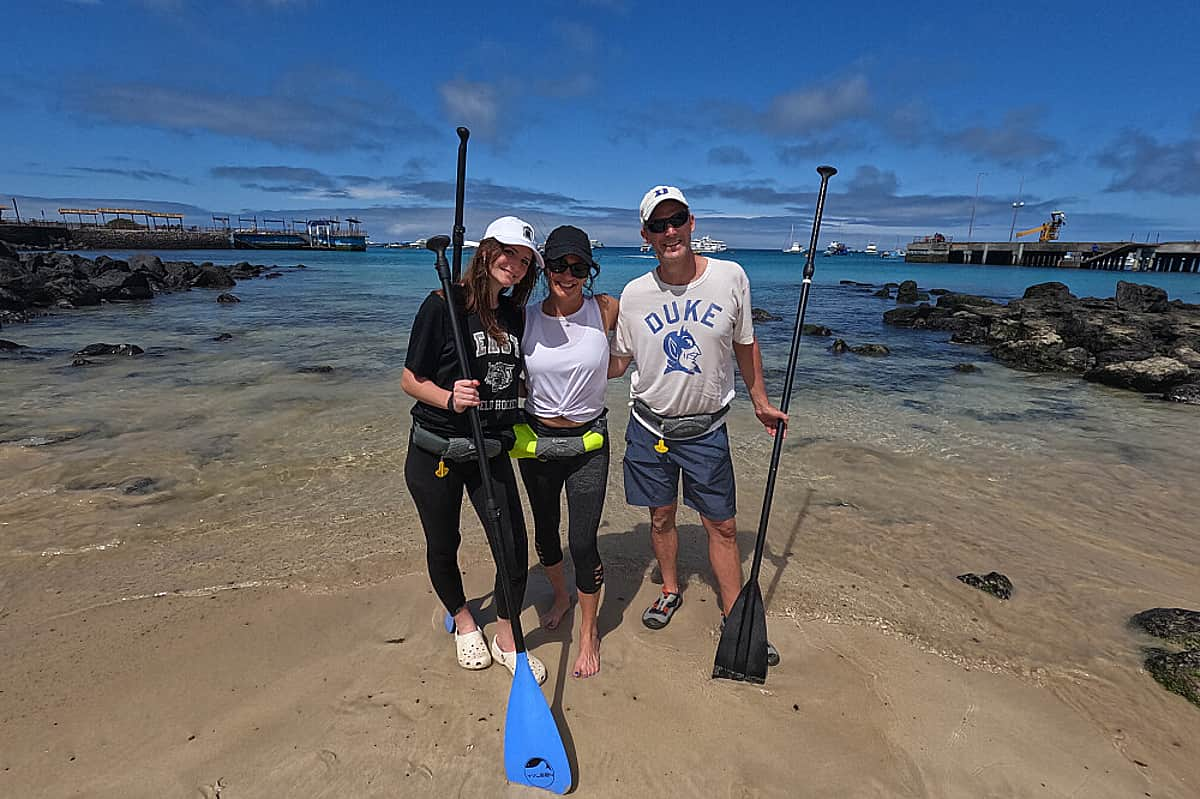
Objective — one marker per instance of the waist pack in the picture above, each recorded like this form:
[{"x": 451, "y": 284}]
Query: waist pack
[
  {"x": 557, "y": 448},
  {"x": 677, "y": 427},
  {"x": 455, "y": 449}
]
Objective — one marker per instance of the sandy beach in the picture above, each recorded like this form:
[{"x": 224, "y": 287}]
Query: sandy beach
[
  {"x": 212, "y": 581},
  {"x": 334, "y": 679}
]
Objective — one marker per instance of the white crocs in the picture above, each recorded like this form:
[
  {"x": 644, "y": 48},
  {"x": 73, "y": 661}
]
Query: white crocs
[
  {"x": 472, "y": 650},
  {"x": 509, "y": 659}
]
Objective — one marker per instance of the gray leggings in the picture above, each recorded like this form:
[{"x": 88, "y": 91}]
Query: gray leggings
[{"x": 586, "y": 479}]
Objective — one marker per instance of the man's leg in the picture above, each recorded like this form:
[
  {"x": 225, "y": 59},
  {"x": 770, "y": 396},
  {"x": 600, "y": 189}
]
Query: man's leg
[
  {"x": 664, "y": 539},
  {"x": 725, "y": 560}
]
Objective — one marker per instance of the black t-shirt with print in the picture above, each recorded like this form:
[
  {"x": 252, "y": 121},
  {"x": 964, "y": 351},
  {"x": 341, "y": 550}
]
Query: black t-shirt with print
[{"x": 496, "y": 366}]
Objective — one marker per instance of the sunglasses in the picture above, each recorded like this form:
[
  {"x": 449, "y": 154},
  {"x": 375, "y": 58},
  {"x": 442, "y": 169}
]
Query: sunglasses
[
  {"x": 675, "y": 220},
  {"x": 580, "y": 270}
]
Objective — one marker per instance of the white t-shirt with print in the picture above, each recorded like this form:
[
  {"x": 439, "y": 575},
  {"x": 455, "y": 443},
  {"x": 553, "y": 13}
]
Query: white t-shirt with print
[{"x": 682, "y": 338}]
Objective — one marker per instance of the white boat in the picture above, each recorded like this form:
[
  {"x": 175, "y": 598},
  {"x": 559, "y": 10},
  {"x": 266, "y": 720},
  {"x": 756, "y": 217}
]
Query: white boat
[
  {"x": 836, "y": 248},
  {"x": 795, "y": 247},
  {"x": 707, "y": 244},
  {"x": 596, "y": 244},
  {"x": 872, "y": 249},
  {"x": 645, "y": 246}
]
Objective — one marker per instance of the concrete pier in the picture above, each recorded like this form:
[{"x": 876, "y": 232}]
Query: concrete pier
[{"x": 1173, "y": 256}]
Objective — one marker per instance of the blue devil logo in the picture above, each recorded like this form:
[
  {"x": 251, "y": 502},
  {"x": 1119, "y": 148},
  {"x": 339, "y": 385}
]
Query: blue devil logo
[{"x": 682, "y": 352}]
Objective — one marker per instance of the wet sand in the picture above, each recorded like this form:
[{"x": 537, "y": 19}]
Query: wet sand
[{"x": 258, "y": 623}]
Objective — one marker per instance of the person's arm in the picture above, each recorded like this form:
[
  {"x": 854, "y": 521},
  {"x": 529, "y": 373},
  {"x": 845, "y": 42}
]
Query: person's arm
[
  {"x": 422, "y": 389},
  {"x": 749, "y": 361},
  {"x": 610, "y": 310}
]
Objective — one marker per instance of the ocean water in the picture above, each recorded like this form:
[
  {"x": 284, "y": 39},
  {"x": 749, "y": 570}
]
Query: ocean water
[{"x": 898, "y": 473}]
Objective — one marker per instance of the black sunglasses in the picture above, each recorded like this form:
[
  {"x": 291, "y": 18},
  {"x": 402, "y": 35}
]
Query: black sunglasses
[
  {"x": 675, "y": 220},
  {"x": 560, "y": 265}
]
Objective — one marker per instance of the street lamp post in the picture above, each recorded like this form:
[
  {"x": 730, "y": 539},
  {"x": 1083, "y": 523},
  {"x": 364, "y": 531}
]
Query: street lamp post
[
  {"x": 971, "y": 227},
  {"x": 1016, "y": 205}
]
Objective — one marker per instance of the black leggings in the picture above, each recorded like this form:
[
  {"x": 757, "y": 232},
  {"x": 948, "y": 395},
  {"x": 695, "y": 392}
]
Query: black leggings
[
  {"x": 586, "y": 479},
  {"x": 439, "y": 504}
]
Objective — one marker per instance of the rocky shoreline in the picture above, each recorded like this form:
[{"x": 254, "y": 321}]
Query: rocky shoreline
[
  {"x": 1136, "y": 340},
  {"x": 32, "y": 284}
]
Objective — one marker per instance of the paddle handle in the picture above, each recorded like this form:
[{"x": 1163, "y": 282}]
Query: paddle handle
[
  {"x": 460, "y": 186},
  {"x": 826, "y": 172}
]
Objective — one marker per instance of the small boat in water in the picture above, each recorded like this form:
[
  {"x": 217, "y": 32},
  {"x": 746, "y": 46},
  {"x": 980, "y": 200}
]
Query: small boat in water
[
  {"x": 794, "y": 247},
  {"x": 596, "y": 244},
  {"x": 645, "y": 246},
  {"x": 836, "y": 248},
  {"x": 872, "y": 249},
  {"x": 707, "y": 244}
]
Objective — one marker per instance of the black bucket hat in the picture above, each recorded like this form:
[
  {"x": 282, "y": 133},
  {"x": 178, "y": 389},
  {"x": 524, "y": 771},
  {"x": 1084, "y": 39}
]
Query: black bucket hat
[{"x": 568, "y": 240}]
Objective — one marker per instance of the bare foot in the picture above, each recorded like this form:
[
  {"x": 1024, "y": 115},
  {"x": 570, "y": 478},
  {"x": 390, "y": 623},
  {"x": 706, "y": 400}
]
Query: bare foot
[
  {"x": 551, "y": 618},
  {"x": 588, "y": 662}
]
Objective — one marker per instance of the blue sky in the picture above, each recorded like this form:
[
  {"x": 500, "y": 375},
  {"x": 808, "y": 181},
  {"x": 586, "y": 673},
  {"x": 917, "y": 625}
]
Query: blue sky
[{"x": 302, "y": 107}]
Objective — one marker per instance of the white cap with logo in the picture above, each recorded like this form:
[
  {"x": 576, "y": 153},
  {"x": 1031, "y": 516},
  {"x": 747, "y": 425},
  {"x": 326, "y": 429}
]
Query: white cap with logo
[
  {"x": 516, "y": 231},
  {"x": 657, "y": 195}
]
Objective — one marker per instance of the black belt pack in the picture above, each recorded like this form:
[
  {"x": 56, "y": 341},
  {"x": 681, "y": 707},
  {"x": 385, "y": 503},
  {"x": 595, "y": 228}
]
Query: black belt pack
[
  {"x": 678, "y": 427},
  {"x": 455, "y": 449}
]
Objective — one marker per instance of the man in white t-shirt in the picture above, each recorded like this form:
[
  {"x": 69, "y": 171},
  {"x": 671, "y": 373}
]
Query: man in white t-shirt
[{"x": 685, "y": 323}]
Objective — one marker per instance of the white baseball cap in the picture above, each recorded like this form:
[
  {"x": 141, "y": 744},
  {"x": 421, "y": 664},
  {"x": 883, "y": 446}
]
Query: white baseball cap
[
  {"x": 514, "y": 230},
  {"x": 655, "y": 196}
]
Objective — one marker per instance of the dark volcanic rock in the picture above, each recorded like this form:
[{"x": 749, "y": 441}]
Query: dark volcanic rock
[
  {"x": 817, "y": 330},
  {"x": 954, "y": 301},
  {"x": 884, "y": 293},
  {"x": 839, "y": 347},
  {"x": 1188, "y": 393},
  {"x": 82, "y": 362},
  {"x": 906, "y": 292},
  {"x": 966, "y": 368},
  {"x": 1156, "y": 374},
  {"x": 213, "y": 277},
  {"x": 761, "y": 315},
  {"x": 873, "y": 350},
  {"x": 1136, "y": 341},
  {"x": 323, "y": 369},
  {"x": 92, "y": 350},
  {"x": 227, "y": 298},
  {"x": 1177, "y": 625},
  {"x": 993, "y": 583},
  {"x": 223, "y": 337},
  {"x": 1177, "y": 671},
  {"x": 9, "y": 346},
  {"x": 1142, "y": 298},
  {"x": 1053, "y": 291}
]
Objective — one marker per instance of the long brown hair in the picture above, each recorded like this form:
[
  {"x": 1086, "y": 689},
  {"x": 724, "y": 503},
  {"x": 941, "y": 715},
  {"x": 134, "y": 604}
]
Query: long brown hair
[{"x": 475, "y": 286}]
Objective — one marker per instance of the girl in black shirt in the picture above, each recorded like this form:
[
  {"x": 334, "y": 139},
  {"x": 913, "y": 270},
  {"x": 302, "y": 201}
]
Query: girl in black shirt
[{"x": 490, "y": 297}]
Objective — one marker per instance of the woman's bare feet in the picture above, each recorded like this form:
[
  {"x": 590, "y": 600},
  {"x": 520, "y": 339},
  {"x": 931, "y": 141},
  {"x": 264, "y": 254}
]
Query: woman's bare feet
[
  {"x": 588, "y": 662},
  {"x": 552, "y": 617}
]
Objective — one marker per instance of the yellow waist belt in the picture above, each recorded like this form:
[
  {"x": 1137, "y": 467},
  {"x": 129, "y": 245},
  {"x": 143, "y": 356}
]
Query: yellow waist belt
[{"x": 556, "y": 448}]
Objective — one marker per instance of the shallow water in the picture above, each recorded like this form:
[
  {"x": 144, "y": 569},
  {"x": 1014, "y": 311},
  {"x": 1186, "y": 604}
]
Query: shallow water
[{"x": 899, "y": 472}]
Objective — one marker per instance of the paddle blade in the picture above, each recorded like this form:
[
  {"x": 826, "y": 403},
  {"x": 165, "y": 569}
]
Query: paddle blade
[
  {"x": 533, "y": 749},
  {"x": 742, "y": 650}
]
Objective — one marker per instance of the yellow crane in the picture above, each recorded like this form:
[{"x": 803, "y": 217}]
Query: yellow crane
[{"x": 1047, "y": 231}]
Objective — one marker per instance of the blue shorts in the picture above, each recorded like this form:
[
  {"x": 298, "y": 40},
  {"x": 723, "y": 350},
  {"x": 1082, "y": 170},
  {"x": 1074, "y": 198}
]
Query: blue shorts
[{"x": 652, "y": 478}]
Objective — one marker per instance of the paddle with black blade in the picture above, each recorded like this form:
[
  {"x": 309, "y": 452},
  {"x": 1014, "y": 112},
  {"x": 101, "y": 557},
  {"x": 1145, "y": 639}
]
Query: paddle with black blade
[
  {"x": 533, "y": 749},
  {"x": 742, "y": 650}
]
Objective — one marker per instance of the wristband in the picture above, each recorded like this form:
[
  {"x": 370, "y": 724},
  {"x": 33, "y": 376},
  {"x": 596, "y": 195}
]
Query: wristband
[{"x": 450, "y": 402}]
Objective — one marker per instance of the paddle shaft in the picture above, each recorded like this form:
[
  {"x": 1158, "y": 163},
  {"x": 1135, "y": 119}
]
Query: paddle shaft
[
  {"x": 501, "y": 545},
  {"x": 826, "y": 173},
  {"x": 459, "y": 193}
]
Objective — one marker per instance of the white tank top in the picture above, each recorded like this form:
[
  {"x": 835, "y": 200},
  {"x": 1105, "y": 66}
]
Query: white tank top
[{"x": 566, "y": 362}]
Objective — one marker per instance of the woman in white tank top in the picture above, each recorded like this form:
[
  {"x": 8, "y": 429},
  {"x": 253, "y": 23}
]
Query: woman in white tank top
[{"x": 566, "y": 368}]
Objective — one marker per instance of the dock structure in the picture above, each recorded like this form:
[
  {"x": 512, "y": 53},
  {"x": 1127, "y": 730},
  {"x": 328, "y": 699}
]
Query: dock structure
[{"x": 1171, "y": 256}]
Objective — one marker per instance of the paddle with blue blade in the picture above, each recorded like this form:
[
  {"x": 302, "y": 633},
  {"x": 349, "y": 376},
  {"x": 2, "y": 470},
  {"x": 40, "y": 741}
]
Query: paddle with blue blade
[
  {"x": 533, "y": 748},
  {"x": 742, "y": 650}
]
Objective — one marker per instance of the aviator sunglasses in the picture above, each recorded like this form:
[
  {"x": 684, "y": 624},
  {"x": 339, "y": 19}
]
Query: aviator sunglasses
[
  {"x": 560, "y": 265},
  {"x": 675, "y": 220}
]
